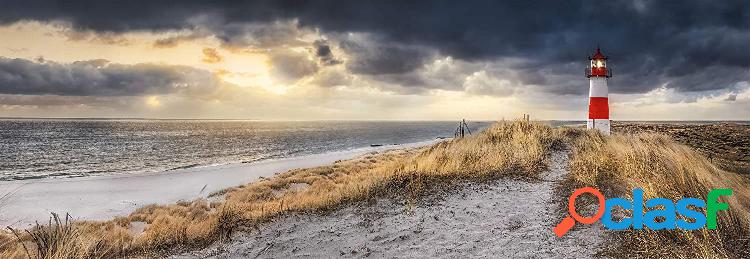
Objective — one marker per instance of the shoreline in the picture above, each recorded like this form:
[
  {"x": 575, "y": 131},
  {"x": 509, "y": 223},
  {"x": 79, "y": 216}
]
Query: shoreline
[{"x": 107, "y": 196}]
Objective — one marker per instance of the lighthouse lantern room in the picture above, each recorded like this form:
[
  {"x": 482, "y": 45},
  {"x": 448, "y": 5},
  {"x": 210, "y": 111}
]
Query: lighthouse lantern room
[{"x": 598, "y": 74}]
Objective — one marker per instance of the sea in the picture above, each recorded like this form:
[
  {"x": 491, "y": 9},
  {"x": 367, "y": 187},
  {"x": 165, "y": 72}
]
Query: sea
[{"x": 66, "y": 148}]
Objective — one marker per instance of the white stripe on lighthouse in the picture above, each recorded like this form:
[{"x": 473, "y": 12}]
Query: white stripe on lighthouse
[
  {"x": 601, "y": 125},
  {"x": 598, "y": 87}
]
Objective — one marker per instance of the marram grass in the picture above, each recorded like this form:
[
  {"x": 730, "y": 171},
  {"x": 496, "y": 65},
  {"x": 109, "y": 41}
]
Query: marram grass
[{"x": 615, "y": 164}]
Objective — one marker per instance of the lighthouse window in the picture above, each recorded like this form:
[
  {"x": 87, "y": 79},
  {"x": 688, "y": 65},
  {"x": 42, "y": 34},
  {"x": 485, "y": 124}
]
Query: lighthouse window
[{"x": 599, "y": 63}]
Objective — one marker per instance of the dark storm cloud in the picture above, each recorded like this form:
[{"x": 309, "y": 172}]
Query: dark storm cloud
[
  {"x": 374, "y": 57},
  {"x": 324, "y": 53},
  {"x": 100, "y": 78},
  {"x": 681, "y": 44}
]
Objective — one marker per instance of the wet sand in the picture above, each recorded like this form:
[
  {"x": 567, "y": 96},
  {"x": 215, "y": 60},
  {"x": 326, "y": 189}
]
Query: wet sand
[{"x": 105, "y": 197}]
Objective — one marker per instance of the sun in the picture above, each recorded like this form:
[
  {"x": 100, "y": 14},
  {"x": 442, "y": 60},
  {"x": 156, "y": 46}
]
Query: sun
[
  {"x": 153, "y": 102},
  {"x": 261, "y": 80}
]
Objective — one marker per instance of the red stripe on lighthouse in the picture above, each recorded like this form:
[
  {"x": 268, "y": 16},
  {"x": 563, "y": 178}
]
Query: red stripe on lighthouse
[{"x": 598, "y": 108}]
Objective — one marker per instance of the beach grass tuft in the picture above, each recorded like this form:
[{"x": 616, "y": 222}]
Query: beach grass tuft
[{"x": 663, "y": 168}]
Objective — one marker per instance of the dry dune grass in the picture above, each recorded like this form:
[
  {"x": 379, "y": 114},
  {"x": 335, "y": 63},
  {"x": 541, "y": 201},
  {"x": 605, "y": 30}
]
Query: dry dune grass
[
  {"x": 514, "y": 148},
  {"x": 664, "y": 168},
  {"x": 615, "y": 164}
]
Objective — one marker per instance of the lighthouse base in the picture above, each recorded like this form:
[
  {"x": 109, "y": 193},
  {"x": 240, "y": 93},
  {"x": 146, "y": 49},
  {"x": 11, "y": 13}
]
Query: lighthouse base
[{"x": 599, "y": 124}]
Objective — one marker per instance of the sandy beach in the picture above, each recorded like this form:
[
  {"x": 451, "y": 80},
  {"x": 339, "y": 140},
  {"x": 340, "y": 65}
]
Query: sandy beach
[{"x": 105, "y": 197}]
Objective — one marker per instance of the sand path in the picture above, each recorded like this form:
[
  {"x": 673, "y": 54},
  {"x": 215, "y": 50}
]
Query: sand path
[{"x": 507, "y": 218}]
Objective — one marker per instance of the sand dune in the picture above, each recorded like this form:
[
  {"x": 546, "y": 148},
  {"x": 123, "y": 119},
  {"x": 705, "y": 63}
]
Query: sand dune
[{"x": 504, "y": 218}]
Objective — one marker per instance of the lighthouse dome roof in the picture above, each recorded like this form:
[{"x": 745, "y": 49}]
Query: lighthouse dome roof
[{"x": 598, "y": 55}]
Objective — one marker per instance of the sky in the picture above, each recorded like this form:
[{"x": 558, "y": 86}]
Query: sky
[{"x": 372, "y": 60}]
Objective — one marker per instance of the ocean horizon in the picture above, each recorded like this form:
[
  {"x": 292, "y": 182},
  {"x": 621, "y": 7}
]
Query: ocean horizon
[
  {"x": 40, "y": 148},
  {"x": 70, "y": 148}
]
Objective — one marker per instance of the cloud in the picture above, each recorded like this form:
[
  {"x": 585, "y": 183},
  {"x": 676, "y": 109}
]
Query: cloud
[
  {"x": 92, "y": 36},
  {"x": 56, "y": 100},
  {"x": 371, "y": 56},
  {"x": 332, "y": 77},
  {"x": 288, "y": 66},
  {"x": 260, "y": 35},
  {"x": 440, "y": 73},
  {"x": 101, "y": 78},
  {"x": 483, "y": 84},
  {"x": 680, "y": 45},
  {"x": 731, "y": 98},
  {"x": 324, "y": 53},
  {"x": 211, "y": 55},
  {"x": 174, "y": 41},
  {"x": 664, "y": 103}
]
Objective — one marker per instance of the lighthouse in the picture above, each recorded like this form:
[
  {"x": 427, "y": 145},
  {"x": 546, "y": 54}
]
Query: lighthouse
[{"x": 598, "y": 74}]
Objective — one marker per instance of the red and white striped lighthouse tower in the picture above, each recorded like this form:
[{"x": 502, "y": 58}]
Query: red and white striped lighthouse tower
[{"x": 598, "y": 73}]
